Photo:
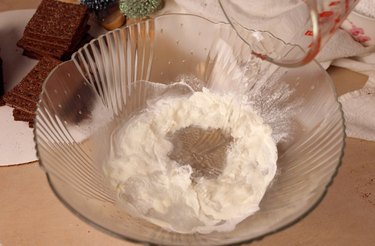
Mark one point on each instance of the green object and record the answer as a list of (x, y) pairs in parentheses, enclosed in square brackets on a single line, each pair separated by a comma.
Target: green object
[(139, 8)]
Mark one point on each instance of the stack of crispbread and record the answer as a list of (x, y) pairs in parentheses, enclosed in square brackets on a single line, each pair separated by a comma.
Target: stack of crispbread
[(56, 29), (25, 95)]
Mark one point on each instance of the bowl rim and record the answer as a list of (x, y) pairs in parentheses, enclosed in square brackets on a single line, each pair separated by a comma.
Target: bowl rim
[(110, 232)]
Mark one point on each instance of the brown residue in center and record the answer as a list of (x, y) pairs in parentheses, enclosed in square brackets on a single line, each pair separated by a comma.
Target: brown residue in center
[(204, 150)]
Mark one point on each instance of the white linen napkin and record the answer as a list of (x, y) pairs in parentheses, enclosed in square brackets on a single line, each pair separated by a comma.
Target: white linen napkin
[(359, 105), (341, 51)]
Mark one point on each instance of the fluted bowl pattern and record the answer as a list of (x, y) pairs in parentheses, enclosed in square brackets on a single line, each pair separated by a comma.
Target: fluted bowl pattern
[(86, 98)]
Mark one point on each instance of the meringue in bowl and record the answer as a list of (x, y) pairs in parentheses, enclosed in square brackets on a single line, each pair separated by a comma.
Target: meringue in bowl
[(118, 76)]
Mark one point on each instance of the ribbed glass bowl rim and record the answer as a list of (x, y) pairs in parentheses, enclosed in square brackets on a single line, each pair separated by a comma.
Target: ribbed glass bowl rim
[(134, 240)]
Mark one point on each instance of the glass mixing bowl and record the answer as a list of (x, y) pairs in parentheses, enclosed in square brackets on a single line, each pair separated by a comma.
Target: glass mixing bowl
[(86, 98)]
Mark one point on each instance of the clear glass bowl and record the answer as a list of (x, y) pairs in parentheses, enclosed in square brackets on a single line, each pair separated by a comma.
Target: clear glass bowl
[(85, 98)]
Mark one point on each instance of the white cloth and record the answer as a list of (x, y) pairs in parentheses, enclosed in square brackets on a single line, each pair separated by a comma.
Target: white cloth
[(341, 50), (359, 105)]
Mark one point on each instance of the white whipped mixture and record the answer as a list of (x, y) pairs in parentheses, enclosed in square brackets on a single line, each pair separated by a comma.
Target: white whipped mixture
[(153, 186)]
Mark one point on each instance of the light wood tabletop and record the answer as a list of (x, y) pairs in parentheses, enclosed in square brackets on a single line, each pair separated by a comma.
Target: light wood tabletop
[(30, 214)]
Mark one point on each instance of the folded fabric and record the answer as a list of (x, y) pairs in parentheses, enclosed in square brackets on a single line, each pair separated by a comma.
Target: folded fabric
[(359, 105)]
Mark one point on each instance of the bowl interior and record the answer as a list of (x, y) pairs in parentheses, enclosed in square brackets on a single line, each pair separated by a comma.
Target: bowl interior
[(86, 98)]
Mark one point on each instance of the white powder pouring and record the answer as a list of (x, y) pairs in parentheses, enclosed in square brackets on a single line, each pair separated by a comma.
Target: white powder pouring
[(160, 190), (151, 185)]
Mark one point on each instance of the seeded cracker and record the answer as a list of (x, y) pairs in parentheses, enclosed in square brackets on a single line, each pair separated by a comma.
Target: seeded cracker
[(56, 29), (25, 95)]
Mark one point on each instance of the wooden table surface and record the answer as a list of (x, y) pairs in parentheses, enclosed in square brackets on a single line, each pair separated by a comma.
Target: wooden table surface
[(31, 215)]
